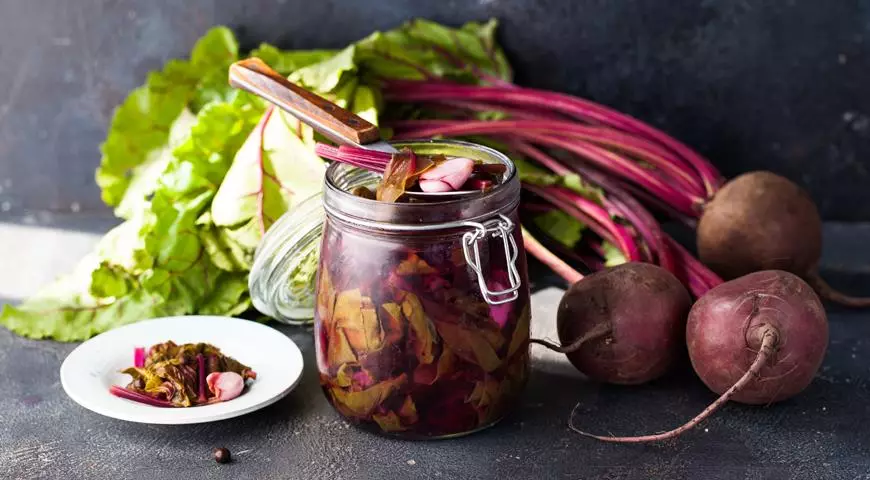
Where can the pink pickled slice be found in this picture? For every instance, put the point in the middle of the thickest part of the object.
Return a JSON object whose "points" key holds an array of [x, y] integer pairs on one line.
{"points": [[225, 385], [446, 176]]}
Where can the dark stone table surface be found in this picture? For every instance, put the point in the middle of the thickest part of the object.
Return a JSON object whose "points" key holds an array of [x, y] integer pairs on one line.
{"points": [[820, 434]]}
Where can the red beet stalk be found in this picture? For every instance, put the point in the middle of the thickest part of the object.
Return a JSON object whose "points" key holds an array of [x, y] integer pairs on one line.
{"points": [[677, 172], [591, 214], [548, 258], [617, 201], [358, 157], [138, 397], [584, 110], [139, 357], [645, 178], [200, 370]]}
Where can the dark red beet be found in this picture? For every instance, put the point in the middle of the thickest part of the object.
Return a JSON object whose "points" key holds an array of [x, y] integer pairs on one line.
{"points": [[626, 323], [758, 339], [762, 221]]}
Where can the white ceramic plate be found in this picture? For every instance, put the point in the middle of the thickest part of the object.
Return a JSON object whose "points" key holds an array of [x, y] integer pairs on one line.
{"points": [[89, 370]]}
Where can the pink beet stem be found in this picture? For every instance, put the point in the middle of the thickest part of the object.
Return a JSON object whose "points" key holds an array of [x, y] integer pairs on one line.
{"points": [[678, 171], [138, 397], [699, 278], [549, 259], [139, 357], [577, 107], [680, 200], [200, 370], [590, 213], [524, 113], [357, 157]]}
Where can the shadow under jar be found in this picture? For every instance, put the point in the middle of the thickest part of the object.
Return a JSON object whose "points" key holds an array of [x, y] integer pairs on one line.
{"points": [[422, 309]]}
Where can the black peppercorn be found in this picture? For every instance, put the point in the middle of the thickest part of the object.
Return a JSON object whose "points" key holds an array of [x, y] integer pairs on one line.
{"points": [[221, 455]]}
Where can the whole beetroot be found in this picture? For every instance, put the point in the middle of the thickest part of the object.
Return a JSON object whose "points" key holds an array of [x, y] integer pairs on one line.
{"points": [[775, 304], [758, 339], [623, 325], [762, 221]]}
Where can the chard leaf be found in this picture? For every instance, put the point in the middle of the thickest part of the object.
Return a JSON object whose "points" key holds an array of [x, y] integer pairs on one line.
{"points": [[469, 345], [613, 256], [339, 350], [425, 335], [356, 316], [408, 411], [228, 297], [398, 175], [429, 373], [391, 322], [145, 176], [362, 403], [560, 226], [223, 250], [366, 103], [414, 265], [520, 337], [389, 422], [420, 49], [472, 46], [326, 75], [63, 312], [286, 62], [154, 264], [579, 185], [143, 122], [272, 171], [533, 174]]}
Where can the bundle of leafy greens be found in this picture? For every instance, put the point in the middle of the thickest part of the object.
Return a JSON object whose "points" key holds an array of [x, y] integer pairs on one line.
{"points": [[199, 171]]}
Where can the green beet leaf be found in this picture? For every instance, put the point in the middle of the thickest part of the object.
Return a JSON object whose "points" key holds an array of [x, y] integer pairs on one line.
{"points": [[613, 256], [197, 185], [420, 49], [286, 62], [327, 75], [272, 171], [141, 126], [156, 263], [560, 226]]}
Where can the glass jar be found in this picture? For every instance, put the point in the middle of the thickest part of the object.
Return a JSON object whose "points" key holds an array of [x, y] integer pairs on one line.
{"points": [[422, 309]]}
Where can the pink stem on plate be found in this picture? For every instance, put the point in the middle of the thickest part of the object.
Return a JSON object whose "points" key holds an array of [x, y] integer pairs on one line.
{"points": [[200, 370], [139, 357], [138, 397]]}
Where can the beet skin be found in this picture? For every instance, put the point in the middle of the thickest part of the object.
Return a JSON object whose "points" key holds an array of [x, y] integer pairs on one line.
{"points": [[726, 325], [640, 310]]}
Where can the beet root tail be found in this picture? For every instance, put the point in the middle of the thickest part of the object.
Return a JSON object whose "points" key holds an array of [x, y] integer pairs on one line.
{"points": [[598, 331], [769, 342], [831, 294]]}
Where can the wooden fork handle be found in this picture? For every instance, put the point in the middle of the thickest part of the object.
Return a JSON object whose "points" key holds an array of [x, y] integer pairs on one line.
{"points": [[343, 126]]}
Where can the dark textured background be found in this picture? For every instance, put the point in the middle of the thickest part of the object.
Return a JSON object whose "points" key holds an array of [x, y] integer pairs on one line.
{"points": [[753, 84]]}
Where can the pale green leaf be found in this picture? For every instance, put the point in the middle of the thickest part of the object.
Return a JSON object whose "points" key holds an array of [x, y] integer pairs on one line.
{"points": [[272, 171], [613, 256], [326, 75], [142, 123], [286, 62], [560, 226]]}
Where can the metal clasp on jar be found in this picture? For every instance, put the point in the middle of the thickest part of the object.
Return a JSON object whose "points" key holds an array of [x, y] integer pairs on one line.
{"points": [[497, 227]]}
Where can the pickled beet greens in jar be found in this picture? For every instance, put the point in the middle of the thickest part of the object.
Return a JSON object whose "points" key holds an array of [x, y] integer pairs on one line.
{"points": [[422, 309]]}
